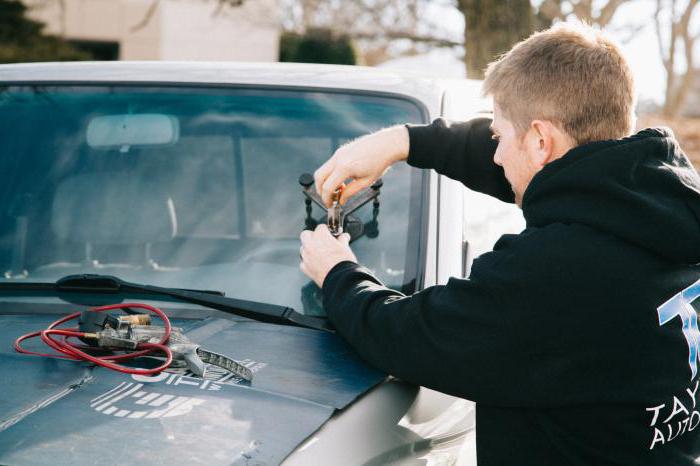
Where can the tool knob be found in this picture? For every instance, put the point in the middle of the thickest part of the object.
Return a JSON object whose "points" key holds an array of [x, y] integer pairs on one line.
{"points": [[306, 180], [378, 184]]}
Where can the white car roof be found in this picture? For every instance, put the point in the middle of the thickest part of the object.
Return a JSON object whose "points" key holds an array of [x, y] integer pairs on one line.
{"points": [[427, 90]]}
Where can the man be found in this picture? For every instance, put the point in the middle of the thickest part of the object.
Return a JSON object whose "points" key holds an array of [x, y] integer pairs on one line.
{"points": [[577, 338]]}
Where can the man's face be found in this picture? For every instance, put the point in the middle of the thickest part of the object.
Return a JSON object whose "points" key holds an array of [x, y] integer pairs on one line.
{"points": [[512, 154]]}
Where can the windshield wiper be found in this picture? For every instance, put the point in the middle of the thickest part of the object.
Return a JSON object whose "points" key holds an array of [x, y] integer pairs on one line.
{"points": [[94, 283]]}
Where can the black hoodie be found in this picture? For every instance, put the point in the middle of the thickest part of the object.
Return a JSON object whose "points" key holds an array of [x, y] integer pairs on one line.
{"points": [[578, 337]]}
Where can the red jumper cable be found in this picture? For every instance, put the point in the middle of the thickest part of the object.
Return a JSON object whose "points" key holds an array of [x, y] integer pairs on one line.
{"points": [[73, 352]]}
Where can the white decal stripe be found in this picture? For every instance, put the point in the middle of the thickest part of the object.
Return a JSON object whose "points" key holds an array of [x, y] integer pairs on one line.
{"points": [[121, 396], [106, 395], [110, 410], [107, 398], [147, 398], [172, 405], [183, 408], [163, 399]]}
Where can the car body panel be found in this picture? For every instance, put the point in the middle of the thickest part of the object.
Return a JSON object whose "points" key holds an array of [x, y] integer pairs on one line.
{"points": [[301, 377], [211, 74]]}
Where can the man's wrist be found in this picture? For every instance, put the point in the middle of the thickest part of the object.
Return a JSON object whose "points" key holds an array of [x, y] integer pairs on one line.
{"points": [[400, 143]]}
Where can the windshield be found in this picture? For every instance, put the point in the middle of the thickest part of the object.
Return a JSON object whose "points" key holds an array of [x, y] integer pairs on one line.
{"points": [[189, 187]]}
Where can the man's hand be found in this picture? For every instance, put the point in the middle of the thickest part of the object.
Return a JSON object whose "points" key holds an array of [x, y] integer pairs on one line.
{"points": [[321, 251], [363, 160]]}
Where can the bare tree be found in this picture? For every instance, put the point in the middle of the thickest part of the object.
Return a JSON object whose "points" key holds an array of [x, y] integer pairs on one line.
{"points": [[381, 29], [674, 34], [490, 28], [493, 26], [587, 11]]}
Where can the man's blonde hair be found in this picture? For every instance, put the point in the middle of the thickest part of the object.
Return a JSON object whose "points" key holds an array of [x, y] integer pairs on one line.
{"points": [[570, 74]]}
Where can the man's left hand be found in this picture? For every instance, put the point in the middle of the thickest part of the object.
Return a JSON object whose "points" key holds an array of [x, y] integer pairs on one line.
{"points": [[321, 251]]}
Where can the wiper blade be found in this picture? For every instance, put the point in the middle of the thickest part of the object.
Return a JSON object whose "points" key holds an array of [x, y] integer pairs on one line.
{"points": [[101, 284], [95, 283], [109, 284]]}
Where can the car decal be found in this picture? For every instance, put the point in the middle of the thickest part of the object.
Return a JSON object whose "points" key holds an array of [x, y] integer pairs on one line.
{"points": [[139, 399]]}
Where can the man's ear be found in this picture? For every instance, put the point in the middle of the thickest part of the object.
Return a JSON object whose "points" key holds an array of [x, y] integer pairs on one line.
{"points": [[541, 142]]}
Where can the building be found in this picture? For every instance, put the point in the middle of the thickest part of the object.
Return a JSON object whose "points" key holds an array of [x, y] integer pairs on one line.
{"points": [[165, 29]]}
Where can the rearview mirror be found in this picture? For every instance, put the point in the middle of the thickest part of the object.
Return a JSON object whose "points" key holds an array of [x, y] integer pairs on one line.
{"points": [[125, 131]]}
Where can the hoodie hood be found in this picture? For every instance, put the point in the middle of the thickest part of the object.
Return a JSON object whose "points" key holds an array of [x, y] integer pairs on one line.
{"points": [[642, 189]]}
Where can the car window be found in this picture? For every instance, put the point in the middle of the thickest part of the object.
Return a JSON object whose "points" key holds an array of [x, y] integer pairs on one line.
{"points": [[486, 219], [191, 187]]}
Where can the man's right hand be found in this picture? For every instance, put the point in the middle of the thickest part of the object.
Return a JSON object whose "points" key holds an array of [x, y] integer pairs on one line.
{"points": [[363, 160]]}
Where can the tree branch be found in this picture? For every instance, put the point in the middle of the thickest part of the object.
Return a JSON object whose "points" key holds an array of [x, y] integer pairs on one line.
{"points": [[687, 14], [629, 31], [221, 4], [583, 9], [659, 35], [147, 17], [608, 11], [552, 9], [396, 35]]}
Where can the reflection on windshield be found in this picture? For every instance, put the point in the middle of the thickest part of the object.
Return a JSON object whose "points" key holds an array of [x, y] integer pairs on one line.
{"points": [[188, 188]]}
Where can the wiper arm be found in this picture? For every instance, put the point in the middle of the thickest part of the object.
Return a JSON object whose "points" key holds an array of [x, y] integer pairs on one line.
{"points": [[95, 283]]}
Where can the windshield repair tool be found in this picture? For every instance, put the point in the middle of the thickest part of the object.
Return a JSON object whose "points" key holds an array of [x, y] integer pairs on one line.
{"points": [[335, 216], [133, 336], [339, 217]]}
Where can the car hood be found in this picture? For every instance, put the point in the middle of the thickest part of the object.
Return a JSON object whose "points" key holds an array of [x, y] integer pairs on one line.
{"points": [[61, 412]]}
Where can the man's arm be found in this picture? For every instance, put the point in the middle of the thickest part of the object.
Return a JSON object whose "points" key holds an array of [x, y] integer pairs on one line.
{"points": [[462, 151], [451, 338]]}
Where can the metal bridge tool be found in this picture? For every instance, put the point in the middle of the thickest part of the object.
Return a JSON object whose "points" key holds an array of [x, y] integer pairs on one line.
{"points": [[339, 217], [335, 213]]}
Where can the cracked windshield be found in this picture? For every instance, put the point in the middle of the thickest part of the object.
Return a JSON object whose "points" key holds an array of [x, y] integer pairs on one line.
{"points": [[191, 187]]}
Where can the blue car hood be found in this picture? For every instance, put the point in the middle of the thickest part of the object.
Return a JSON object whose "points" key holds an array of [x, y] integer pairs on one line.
{"points": [[62, 412]]}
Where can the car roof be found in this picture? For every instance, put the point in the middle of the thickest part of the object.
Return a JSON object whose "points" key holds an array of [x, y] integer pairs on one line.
{"points": [[427, 90]]}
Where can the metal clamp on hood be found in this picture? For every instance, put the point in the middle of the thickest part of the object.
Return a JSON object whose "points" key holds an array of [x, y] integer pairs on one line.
{"points": [[127, 332]]}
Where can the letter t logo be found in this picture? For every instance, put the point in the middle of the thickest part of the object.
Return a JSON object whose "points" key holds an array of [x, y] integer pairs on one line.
{"points": [[680, 305]]}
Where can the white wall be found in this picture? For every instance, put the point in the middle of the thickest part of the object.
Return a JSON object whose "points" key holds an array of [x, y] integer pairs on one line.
{"points": [[177, 30], [246, 33]]}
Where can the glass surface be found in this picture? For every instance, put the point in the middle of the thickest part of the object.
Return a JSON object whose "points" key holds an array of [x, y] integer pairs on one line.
{"points": [[218, 206]]}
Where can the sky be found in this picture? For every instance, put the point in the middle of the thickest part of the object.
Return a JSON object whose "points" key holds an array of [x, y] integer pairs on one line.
{"points": [[641, 50]]}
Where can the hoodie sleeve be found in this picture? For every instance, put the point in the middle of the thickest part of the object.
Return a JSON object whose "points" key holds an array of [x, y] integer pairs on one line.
{"points": [[450, 338], [462, 151]]}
